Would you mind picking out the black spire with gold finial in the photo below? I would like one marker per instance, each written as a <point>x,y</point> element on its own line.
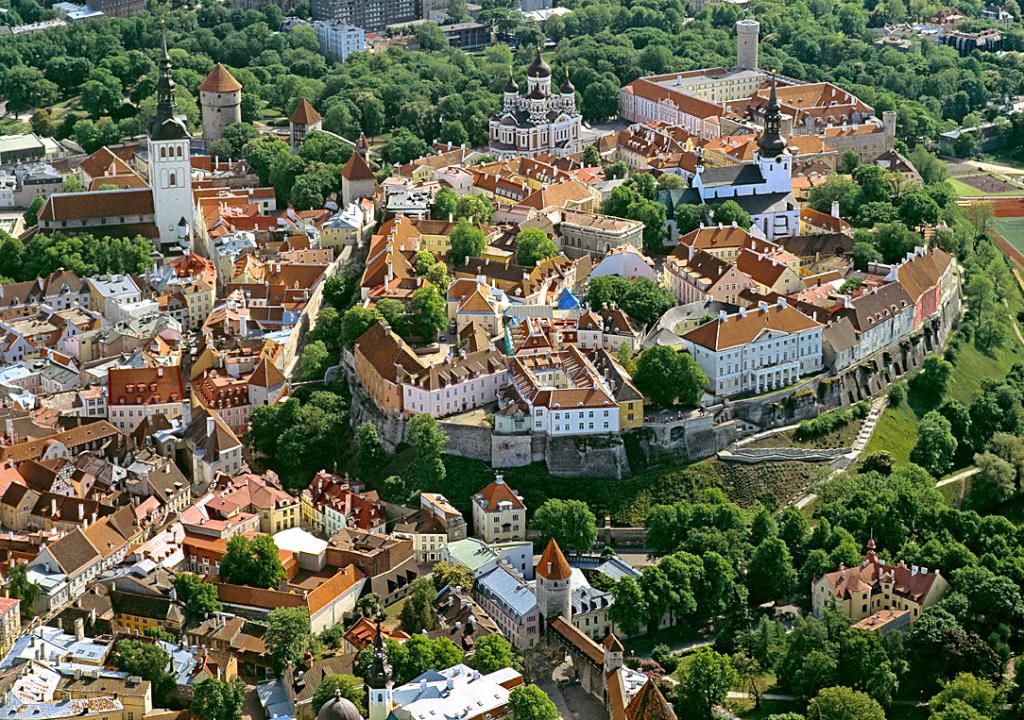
<point>567,87</point>
<point>771,141</point>
<point>167,124</point>
<point>511,87</point>
<point>379,675</point>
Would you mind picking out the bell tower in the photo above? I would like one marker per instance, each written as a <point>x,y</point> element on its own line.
<point>170,168</point>
<point>380,681</point>
<point>773,159</point>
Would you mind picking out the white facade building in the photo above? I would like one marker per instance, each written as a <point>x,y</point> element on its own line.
<point>756,350</point>
<point>338,38</point>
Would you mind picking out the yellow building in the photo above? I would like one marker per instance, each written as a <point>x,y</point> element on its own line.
<point>135,696</point>
<point>875,586</point>
<point>10,622</point>
<point>631,413</point>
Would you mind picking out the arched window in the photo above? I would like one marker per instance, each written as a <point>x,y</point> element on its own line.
<point>163,153</point>
<point>173,181</point>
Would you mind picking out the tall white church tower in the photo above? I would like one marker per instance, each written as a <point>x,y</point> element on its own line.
<point>773,159</point>
<point>170,170</point>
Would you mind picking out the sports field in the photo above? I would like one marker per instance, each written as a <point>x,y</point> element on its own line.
<point>1012,231</point>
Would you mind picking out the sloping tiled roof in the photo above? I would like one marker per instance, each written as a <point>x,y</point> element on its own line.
<point>922,272</point>
<point>357,168</point>
<point>142,386</point>
<point>738,330</point>
<point>220,81</point>
<point>649,704</point>
<point>552,564</point>
<point>305,114</point>
<point>499,491</point>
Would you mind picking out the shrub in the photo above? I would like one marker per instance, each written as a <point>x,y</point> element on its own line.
<point>831,421</point>
<point>897,394</point>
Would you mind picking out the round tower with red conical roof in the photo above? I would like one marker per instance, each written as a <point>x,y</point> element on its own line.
<point>554,584</point>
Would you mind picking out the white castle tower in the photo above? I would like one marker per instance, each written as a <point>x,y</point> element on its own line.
<point>747,32</point>
<point>170,170</point>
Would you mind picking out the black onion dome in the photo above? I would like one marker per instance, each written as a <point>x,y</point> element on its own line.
<point>538,68</point>
<point>511,86</point>
<point>567,87</point>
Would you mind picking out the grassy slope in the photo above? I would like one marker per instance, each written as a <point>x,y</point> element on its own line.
<point>896,432</point>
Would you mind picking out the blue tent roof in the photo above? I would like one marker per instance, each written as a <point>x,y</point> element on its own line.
<point>568,301</point>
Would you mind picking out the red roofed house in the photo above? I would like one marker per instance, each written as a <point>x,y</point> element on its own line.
<point>877,587</point>
<point>135,394</point>
<point>329,504</point>
<point>499,513</point>
<point>929,278</point>
<point>10,622</point>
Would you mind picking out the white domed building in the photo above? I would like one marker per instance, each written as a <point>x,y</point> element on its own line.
<point>541,121</point>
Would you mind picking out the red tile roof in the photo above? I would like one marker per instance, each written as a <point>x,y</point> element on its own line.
<point>552,564</point>
<point>145,386</point>
<point>220,81</point>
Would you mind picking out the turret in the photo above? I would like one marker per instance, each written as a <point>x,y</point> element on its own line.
<point>554,584</point>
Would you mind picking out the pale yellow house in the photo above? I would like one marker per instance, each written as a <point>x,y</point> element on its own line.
<point>877,587</point>
<point>499,513</point>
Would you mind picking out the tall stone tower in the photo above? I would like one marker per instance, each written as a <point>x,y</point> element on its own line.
<point>747,34</point>
<point>170,169</point>
<point>380,681</point>
<point>220,97</point>
<point>554,584</point>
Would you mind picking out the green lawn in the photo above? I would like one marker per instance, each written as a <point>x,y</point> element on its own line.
<point>841,438</point>
<point>895,433</point>
<point>10,126</point>
<point>1011,230</point>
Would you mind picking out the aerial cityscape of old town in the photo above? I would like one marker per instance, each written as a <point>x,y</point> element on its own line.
<point>511,360</point>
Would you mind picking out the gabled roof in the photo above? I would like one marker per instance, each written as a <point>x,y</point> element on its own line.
<point>649,704</point>
<point>552,564</point>
<point>220,81</point>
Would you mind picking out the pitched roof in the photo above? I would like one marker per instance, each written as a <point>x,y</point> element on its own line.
<point>649,704</point>
<point>220,81</point>
<point>266,375</point>
<point>552,564</point>
<point>142,386</point>
<point>922,272</point>
<point>74,552</point>
<point>305,114</point>
<point>875,307</point>
<point>98,204</point>
<point>385,351</point>
<point>498,492</point>
<point>739,330</point>
<point>357,168</point>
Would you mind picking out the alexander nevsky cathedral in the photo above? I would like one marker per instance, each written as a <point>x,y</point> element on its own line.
<point>541,121</point>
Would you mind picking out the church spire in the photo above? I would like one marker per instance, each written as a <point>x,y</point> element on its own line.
<point>167,124</point>
<point>771,141</point>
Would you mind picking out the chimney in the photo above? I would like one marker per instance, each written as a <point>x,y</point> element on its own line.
<point>159,372</point>
<point>743,312</point>
<point>782,302</point>
<point>835,208</point>
<point>209,425</point>
<point>79,629</point>
<point>723,316</point>
<point>53,507</point>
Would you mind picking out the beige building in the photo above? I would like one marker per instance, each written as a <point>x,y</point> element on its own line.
<point>499,513</point>
<point>875,588</point>
<point>10,622</point>
<point>220,97</point>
